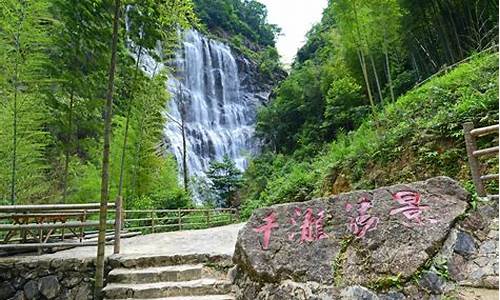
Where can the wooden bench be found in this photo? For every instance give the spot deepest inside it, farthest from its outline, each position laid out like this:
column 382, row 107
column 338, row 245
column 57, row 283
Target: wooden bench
column 474, row 154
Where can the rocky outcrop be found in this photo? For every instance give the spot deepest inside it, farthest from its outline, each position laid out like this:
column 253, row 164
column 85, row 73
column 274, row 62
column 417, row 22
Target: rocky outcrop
column 40, row 278
column 399, row 242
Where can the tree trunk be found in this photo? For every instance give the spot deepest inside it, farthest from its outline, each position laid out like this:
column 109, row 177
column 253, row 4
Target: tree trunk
column 14, row 117
column 381, row 98
column 14, row 147
column 361, row 57
column 388, row 66
column 68, row 146
column 108, row 111
column 184, row 153
column 138, row 149
column 127, row 124
column 367, row 81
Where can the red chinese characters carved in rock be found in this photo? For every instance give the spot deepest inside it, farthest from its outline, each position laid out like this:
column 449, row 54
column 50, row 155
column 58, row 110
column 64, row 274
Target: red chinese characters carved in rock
column 410, row 206
column 311, row 228
column 267, row 228
column 364, row 222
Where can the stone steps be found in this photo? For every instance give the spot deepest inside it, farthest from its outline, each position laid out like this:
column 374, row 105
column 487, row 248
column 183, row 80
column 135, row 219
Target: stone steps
column 181, row 277
column 156, row 274
column 143, row 261
column 198, row 287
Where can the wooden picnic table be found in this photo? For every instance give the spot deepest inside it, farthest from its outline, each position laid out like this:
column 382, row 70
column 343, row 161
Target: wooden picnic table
column 42, row 235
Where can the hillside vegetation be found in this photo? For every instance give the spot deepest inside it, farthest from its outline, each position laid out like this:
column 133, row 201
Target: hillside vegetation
column 371, row 100
column 415, row 138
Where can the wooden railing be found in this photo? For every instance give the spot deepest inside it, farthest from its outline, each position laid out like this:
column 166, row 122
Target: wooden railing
column 66, row 225
column 158, row 220
column 57, row 225
column 474, row 154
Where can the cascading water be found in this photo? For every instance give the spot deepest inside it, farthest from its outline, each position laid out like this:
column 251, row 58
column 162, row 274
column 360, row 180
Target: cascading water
column 215, row 99
column 218, row 118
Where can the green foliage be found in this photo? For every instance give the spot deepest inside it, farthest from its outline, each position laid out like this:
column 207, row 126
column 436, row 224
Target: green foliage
column 319, row 133
column 23, row 57
column 246, row 18
column 55, row 57
column 362, row 54
column 415, row 138
column 387, row 282
column 224, row 181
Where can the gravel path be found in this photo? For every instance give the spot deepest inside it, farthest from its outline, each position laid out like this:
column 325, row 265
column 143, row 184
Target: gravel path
column 216, row 241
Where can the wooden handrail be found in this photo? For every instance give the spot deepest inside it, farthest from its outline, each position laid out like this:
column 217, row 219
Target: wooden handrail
column 179, row 219
column 470, row 134
column 50, row 207
column 177, row 210
column 478, row 132
column 7, row 227
column 50, row 245
column 489, row 177
column 486, row 152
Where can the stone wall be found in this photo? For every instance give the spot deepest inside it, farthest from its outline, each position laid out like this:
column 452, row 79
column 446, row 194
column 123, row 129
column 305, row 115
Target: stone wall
column 46, row 278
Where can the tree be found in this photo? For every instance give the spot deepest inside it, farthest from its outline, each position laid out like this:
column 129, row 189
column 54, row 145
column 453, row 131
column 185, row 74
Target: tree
column 225, row 180
column 23, row 40
column 108, row 114
column 151, row 22
column 79, row 55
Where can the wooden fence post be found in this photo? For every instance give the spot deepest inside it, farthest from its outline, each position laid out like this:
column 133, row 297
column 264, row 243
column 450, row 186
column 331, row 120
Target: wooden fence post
column 153, row 221
column 118, row 225
column 179, row 218
column 471, row 146
column 40, row 240
column 82, row 231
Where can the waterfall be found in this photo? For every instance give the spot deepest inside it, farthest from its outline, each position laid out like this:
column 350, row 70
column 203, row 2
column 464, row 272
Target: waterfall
column 219, row 113
column 220, row 101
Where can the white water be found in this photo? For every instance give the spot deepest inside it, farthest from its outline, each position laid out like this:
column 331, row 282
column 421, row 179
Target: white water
column 220, row 107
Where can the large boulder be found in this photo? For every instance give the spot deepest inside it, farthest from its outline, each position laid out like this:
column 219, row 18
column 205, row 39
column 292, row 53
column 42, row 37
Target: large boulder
column 362, row 238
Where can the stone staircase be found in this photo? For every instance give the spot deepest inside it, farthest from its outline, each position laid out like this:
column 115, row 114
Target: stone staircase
column 163, row 278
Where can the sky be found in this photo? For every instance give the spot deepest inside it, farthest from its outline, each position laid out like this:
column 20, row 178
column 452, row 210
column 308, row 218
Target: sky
column 295, row 17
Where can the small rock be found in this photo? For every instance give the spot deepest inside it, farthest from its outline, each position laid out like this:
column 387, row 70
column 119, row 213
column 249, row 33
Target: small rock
column 83, row 292
column 392, row 296
column 488, row 247
column 18, row 296
column 71, row 280
column 477, row 274
column 464, row 244
column 6, row 290
column 432, row 282
column 231, row 274
column 31, row 290
column 490, row 282
column 358, row 292
column 484, row 260
column 49, row 286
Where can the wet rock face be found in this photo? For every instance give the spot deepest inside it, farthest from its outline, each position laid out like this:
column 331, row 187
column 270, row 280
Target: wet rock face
column 358, row 239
